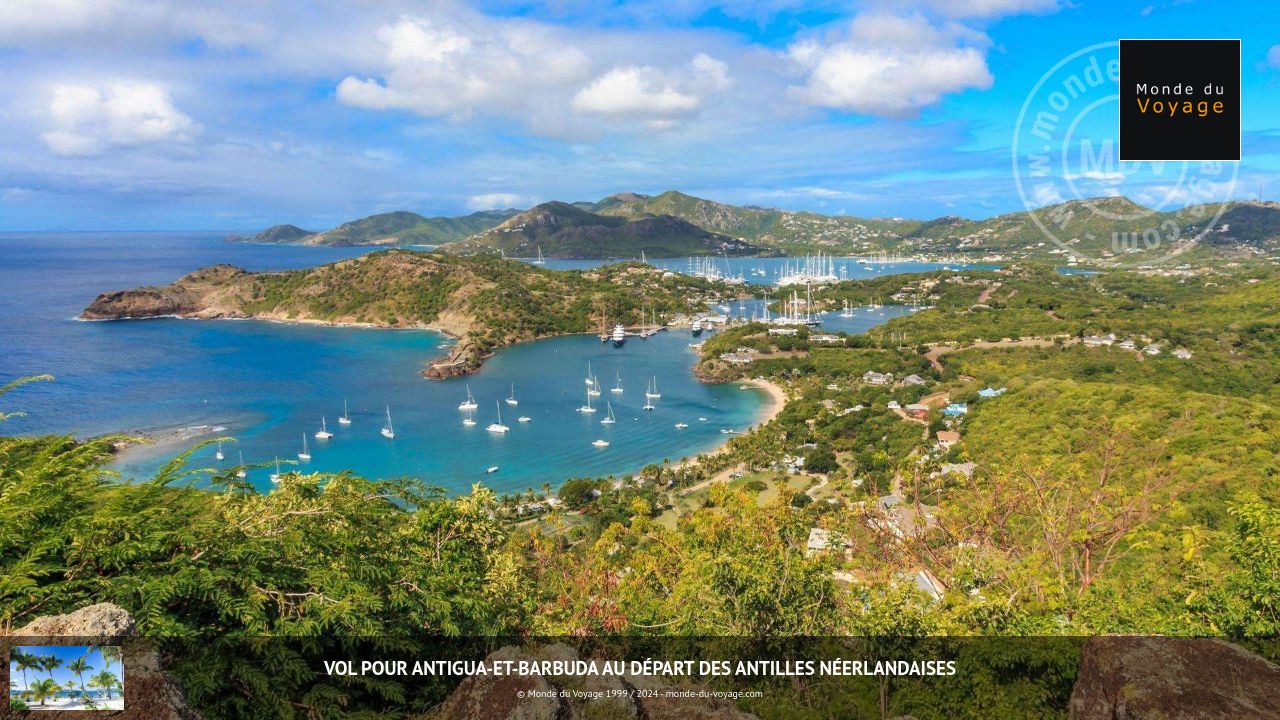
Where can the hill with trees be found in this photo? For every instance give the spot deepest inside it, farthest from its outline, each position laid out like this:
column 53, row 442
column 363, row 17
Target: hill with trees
column 486, row 302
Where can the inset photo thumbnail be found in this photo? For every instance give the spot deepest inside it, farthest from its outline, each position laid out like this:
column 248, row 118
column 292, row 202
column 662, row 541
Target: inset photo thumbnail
column 66, row 677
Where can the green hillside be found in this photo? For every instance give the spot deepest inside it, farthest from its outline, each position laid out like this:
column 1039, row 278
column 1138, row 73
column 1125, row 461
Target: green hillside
column 561, row 230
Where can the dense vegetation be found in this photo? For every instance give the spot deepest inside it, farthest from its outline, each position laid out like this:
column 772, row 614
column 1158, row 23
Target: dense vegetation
column 393, row 228
column 486, row 301
column 674, row 223
column 561, row 230
column 1110, row 490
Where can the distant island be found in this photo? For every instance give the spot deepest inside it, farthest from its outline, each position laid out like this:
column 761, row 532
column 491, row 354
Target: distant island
column 673, row 224
column 484, row 301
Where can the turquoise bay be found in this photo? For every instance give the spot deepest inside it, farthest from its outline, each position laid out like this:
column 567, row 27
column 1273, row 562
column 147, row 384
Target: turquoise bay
column 269, row 384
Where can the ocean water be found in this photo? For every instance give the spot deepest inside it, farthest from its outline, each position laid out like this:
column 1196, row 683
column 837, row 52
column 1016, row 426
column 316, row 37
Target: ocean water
column 269, row 384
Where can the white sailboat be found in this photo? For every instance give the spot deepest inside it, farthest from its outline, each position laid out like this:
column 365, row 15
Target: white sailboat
column 241, row 473
column 523, row 418
column 498, row 427
column 587, row 408
column 594, row 389
column 609, row 419
column 469, row 420
column 512, row 400
column 652, row 393
column 275, row 476
column 541, row 260
column 617, row 387
column 346, row 416
column 218, row 455
column 323, row 433
column 469, row 403
column 589, row 379
column 681, row 426
column 388, row 431
column 305, row 454
column 601, row 443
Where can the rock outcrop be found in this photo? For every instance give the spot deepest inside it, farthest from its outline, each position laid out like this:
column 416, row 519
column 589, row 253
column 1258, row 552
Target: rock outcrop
column 574, row 698
column 150, row 693
column 1147, row 678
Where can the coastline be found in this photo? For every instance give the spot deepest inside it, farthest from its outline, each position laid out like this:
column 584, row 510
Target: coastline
column 776, row 400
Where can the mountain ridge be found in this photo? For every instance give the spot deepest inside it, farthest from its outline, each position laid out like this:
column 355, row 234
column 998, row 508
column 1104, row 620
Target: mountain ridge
column 564, row 230
column 673, row 221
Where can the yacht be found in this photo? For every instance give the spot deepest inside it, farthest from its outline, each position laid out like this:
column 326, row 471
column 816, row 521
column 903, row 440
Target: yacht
column 512, row 400
column 346, row 416
column 388, row 431
column 523, row 418
column 241, row 473
column 587, row 408
column 492, row 469
column 498, row 427
column 609, row 419
column 590, row 378
column 275, row 476
column 601, row 443
column 323, row 433
column 697, row 327
column 652, row 393
column 469, row 403
column 617, row 387
column 305, row 454
column 681, row 426
column 469, row 420
column 540, row 260
column 218, row 455
column 619, row 335
column 594, row 390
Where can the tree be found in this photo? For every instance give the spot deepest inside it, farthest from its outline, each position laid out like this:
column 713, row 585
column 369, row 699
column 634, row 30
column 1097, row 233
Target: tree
column 49, row 663
column 577, row 492
column 24, row 661
column 79, row 666
column 106, row 681
column 42, row 690
column 109, row 654
column 821, row 460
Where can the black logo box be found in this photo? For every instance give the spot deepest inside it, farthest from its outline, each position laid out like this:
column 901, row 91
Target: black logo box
column 1187, row 68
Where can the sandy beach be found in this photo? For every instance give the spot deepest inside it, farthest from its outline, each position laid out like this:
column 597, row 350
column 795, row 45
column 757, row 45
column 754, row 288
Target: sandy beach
column 73, row 704
column 777, row 399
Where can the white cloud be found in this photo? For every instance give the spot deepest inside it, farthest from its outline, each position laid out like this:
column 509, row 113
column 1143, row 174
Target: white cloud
column 652, row 95
column 497, row 201
column 86, row 120
column 891, row 66
column 1273, row 57
column 445, row 66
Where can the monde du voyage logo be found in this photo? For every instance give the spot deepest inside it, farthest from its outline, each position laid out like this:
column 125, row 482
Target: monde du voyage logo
column 1179, row 100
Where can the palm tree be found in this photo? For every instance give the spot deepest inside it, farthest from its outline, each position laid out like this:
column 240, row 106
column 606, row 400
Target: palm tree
column 110, row 654
column 44, row 689
column 24, row 661
column 49, row 663
column 79, row 666
column 104, row 680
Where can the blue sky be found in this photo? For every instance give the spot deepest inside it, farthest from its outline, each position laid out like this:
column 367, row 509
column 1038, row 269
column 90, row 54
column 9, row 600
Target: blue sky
column 183, row 114
column 65, row 653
